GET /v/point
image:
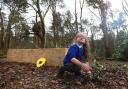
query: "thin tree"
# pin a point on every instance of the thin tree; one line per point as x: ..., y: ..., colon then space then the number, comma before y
x: 2, y: 40
x: 15, y: 8
x: 81, y: 12
x: 76, y: 20
x: 39, y: 27
x: 55, y: 16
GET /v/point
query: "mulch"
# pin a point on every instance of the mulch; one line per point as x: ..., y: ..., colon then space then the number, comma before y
x: 15, y: 75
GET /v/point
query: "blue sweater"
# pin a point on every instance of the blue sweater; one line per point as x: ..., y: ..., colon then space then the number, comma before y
x: 75, y: 51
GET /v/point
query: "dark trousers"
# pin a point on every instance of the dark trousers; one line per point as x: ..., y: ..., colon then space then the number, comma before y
x: 70, y: 68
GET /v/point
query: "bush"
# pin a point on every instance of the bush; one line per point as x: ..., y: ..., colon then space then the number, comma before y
x: 120, y: 51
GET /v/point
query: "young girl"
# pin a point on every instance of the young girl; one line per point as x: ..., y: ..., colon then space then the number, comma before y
x: 73, y: 61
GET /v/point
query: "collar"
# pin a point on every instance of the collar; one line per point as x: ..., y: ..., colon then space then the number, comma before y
x: 80, y: 46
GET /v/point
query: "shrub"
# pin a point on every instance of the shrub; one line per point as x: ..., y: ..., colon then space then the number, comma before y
x: 120, y: 51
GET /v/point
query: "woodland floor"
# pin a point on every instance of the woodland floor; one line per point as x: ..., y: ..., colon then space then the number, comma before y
x: 26, y: 76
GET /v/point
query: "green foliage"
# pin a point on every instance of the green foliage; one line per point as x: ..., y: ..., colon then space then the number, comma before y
x: 99, y: 48
x: 15, y: 17
x: 94, y: 3
x: 97, y: 69
x: 25, y: 31
x: 117, y: 53
x: 125, y: 66
x: 120, y: 51
x: 20, y: 4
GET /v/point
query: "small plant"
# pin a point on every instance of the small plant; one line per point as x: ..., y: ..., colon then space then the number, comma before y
x: 125, y: 66
x: 96, y: 74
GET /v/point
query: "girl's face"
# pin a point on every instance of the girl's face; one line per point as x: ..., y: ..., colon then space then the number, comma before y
x: 81, y: 39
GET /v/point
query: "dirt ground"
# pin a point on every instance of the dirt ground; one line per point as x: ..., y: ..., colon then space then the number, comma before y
x: 26, y: 76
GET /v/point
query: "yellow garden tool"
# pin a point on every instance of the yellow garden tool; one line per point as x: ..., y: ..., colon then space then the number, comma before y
x: 40, y: 62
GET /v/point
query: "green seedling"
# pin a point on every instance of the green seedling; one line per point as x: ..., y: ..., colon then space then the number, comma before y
x: 97, y: 69
x: 125, y: 66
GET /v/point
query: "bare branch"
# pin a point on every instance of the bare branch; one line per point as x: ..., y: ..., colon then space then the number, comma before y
x: 126, y: 2
x: 94, y: 14
x: 125, y: 10
x: 32, y: 6
x: 46, y: 11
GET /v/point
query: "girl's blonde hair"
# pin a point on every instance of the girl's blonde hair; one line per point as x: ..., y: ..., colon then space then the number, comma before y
x: 86, y: 45
x: 80, y: 34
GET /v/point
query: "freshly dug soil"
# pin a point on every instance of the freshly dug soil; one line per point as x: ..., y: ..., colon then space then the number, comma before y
x: 15, y: 75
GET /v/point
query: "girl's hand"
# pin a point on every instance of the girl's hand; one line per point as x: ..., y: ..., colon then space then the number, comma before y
x: 86, y: 67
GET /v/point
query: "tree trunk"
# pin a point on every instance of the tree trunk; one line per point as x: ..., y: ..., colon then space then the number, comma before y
x: 76, y: 22
x: 54, y: 23
x: 104, y: 29
x: 42, y: 25
x: 2, y: 42
x: 81, y: 11
x: 37, y: 29
x: 55, y: 30
x: 8, y: 35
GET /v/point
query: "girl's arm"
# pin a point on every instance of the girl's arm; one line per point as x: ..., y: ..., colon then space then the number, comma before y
x: 76, y: 61
x: 84, y: 67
